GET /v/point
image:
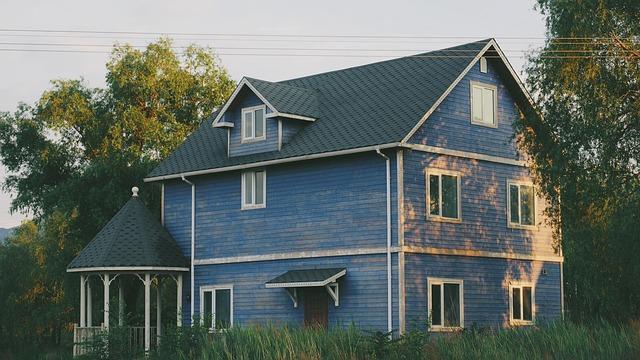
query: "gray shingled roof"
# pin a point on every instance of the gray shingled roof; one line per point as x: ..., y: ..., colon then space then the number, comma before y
x: 362, y: 106
x: 288, y: 99
x: 132, y: 238
x: 307, y: 276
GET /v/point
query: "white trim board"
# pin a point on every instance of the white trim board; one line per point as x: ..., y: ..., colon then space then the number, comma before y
x: 271, y: 162
x: 428, y: 250
x: 127, y: 268
x: 465, y: 154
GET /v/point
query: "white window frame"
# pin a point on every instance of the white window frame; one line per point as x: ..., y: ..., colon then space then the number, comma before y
x: 495, y: 103
x: 520, y: 285
x: 213, y: 289
x: 253, y: 127
x: 519, y: 225
x: 441, y: 282
x: 252, y: 205
x: 428, y: 173
x: 483, y: 65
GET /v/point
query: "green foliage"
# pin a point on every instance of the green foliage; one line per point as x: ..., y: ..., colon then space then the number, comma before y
x: 586, y: 147
x: 596, y: 340
x: 73, y: 157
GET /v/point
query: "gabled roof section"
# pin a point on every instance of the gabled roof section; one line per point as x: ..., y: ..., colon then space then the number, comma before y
x: 374, y: 105
x: 132, y: 239
x: 283, y: 100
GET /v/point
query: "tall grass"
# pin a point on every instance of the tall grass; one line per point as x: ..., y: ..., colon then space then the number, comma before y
x: 561, y: 340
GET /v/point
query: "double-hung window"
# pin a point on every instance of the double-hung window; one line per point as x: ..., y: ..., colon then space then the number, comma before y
x: 521, y: 205
x: 484, y: 108
x: 253, y: 123
x: 254, y: 189
x: 446, y: 304
x: 443, y: 195
x: 521, y: 304
x: 216, y: 306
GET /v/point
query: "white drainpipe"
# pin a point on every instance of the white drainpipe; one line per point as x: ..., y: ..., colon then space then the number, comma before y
x: 388, y: 164
x: 193, y: 240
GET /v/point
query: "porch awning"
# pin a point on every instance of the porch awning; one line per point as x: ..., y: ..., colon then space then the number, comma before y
x: 306, y: 278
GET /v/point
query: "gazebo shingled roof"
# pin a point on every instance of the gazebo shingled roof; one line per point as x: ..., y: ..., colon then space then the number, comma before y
x: 133, y: 239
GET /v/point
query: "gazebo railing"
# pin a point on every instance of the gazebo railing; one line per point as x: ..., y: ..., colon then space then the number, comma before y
x: 82, y: 336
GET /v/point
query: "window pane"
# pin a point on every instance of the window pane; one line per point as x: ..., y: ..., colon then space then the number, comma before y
x: 223, y: 308
x: 527, y: 301
x: 259, y: 117
x: 451, y: 305
x: 450, y: 196
x: 259, y: 187
x: 435, y: 305
x: 248, y: 188
x: 513, y: 203
x: 434, y: 194
x: 516, y: 304
x: 207, y: 316
x: 527, y: 205
x: 477, y: 103
x: 247, y: 123
x: 487, y: 106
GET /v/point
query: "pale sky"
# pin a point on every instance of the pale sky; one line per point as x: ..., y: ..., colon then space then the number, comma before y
x: 24, y: 75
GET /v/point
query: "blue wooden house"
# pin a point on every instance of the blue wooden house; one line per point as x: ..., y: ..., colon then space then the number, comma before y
x: 389, y: 195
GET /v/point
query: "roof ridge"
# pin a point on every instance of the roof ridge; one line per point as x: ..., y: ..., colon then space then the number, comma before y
x: 487, y: 40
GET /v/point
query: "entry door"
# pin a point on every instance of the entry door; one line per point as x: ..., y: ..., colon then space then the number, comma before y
x: 316, y: 307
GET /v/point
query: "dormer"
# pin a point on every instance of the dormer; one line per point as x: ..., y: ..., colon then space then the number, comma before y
x: 262, y: 116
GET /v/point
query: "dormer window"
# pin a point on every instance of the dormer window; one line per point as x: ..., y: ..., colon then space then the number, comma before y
x: 253, y: 123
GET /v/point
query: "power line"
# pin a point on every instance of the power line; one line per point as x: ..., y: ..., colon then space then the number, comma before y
x: 114, y: 32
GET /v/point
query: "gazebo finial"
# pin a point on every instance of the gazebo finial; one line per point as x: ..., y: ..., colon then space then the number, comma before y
x: 135, y: 190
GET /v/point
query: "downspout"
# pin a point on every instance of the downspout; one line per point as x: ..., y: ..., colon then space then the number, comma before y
x: 388, y: 172
x: 193, y: 239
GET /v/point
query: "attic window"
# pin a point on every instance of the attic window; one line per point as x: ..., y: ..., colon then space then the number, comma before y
x: 253, y: 123
x: 484, y: 108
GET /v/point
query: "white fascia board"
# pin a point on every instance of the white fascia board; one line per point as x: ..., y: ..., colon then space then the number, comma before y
x: 462, y: 75
x: 327, y: 281
x: 235, y: 93
x: 291, y: 116
x: 272, y: 162
x: 224, y: 124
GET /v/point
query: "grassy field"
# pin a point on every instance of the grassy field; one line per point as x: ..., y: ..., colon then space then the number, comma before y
x: 562, y: 340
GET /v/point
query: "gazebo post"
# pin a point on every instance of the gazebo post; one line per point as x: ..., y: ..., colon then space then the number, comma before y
x: 83, y: 303
x: 89, y: 303
x: 106, y: 282
x: 147, y: 312
x: 179, y: 300
x: 120, y: 303
x: 158, y: 310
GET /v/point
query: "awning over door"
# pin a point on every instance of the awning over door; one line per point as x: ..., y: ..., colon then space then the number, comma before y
x: 306, y: 278
x: 294, y: 279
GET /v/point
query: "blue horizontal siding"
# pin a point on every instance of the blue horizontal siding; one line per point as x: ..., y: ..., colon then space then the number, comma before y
x: 483, y: 200
x: 324, y: 204
x: 246, y: 98
x: 449, y: 126
x: 290, y: 128
x: 486, y: 287
x: 363, y: 299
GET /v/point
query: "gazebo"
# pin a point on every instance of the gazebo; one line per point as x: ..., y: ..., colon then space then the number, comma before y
x: 132, y: 243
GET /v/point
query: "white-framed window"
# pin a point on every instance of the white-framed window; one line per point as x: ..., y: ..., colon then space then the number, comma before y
x: 521, y: 205
x: 484, y: 104
x: 216, y: 306
x: 254, y: 123
x: 254, y: 189
x: 443, y: 195
x: 445, y: 304
x: 521, y: 303
x: 483, y: 65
